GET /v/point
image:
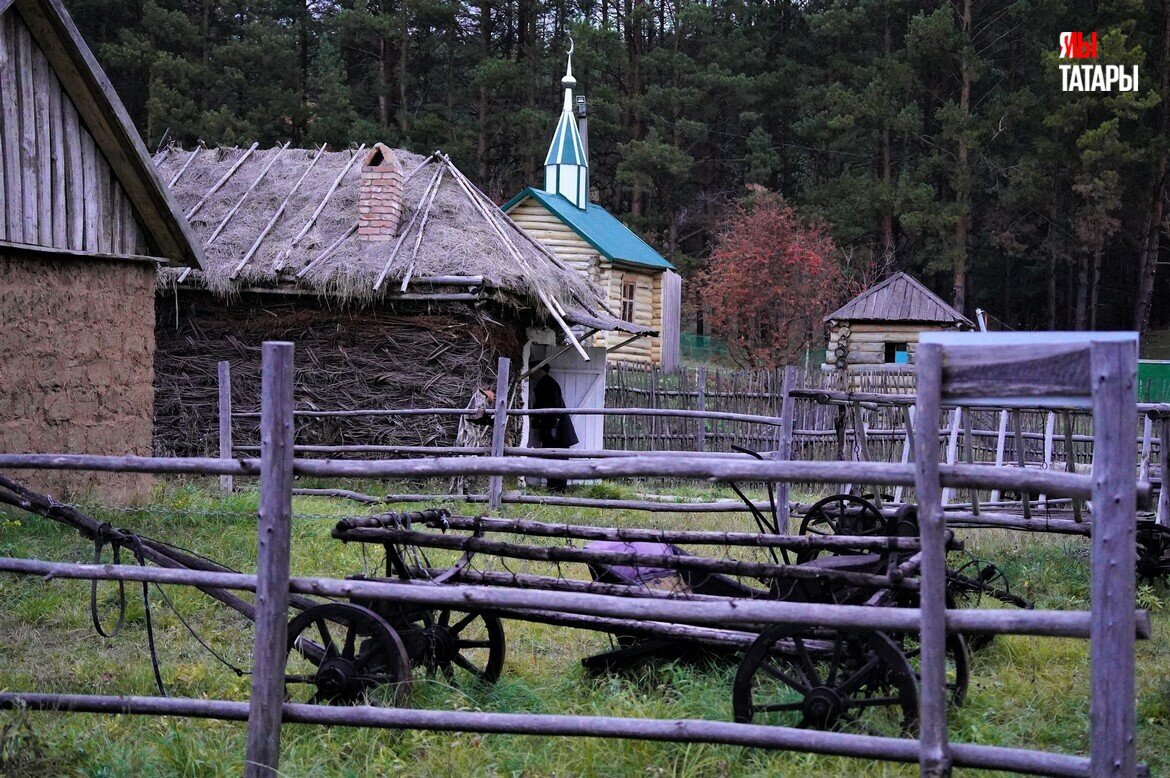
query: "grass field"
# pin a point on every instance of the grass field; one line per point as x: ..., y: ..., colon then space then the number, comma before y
x: 1028, y: 692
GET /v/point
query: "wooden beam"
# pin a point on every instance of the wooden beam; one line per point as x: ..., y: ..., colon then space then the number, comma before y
x: 106, y: 119
x: 270, y: 650
x: 499, y: 429
x: 1112, y: 705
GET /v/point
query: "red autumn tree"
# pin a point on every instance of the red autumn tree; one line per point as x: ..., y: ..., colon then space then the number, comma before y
x: 770, y: 281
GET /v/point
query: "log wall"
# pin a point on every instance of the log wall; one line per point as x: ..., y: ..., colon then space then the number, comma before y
x: 57, y: 189
x: 576, y: 251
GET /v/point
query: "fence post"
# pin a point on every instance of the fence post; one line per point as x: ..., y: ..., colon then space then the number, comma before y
x: 1000, y: 444
x: 1021, y: 457
x: 499, y: 426
x: 934, y: 754
x: 225, y: 421
x: 1070, y: 459
x: 1163, y: 515
x: 269, y: 653
x: 1112, y: 706
x: 784, y: 448
x: 701, y: 389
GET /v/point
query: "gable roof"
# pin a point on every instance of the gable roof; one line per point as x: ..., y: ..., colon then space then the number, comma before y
x: 598, y: 227
x: 285, y: 220
x: 106, y: 120
x: 901, y: 297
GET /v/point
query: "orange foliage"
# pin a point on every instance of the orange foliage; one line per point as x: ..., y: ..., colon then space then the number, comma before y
x: 770, y: 281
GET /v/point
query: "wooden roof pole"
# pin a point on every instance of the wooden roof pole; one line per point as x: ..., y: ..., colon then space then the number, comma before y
x: 186, y: 165
x: 422, y: 227
x: 279, y: 212
x: 279, y: 264
x: 223, y: 180
x: 537, y: 245
x: 413, y: 218
x: 329, y: 251
x: 244, y: 196
x: 511, y: 247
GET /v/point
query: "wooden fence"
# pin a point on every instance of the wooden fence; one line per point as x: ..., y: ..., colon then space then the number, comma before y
x: 1098, y: 375
x: 791, y: 413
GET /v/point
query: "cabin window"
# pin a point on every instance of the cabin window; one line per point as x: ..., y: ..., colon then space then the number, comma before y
x: 897, y: 354
x: 629, y: 294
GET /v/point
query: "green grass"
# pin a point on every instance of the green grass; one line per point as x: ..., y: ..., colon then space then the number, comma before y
x: 1028, y: 692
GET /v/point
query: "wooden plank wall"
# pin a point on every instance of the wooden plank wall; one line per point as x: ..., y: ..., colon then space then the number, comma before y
x: 57, y: 189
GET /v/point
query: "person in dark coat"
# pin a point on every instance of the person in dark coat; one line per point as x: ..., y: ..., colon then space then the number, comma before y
x: 554, y: 430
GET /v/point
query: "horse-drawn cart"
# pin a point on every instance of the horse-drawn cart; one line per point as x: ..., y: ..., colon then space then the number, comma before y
x: 811, y: 677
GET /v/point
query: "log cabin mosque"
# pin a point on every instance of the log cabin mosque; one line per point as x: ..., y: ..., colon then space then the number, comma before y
x: 639, y: 284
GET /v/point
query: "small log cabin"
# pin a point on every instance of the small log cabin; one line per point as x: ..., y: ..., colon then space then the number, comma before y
x: 878, y: 329
x: 84, y: 224
x: 639, y: 284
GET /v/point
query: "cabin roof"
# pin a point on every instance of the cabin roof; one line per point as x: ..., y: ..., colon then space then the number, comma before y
x: 106, y: 119
x: 285, y: 219
x: 901, y: 297
x: 599, y: 228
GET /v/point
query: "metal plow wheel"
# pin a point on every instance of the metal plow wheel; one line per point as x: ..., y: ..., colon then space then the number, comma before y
x: 344, y: 654
x: 840, y: 514
x: 799, y: 677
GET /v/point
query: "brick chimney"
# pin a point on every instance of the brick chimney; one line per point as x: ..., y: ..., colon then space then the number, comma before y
x: 380, y: 200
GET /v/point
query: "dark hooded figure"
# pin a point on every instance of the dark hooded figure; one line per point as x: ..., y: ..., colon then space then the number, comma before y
x: 554, y: 430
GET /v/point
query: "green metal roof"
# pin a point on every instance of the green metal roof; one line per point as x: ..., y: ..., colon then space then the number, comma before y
x: 612, y: 239
x: 566, y: 147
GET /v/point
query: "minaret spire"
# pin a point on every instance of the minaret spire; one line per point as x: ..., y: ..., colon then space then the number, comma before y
x: 566, y: 168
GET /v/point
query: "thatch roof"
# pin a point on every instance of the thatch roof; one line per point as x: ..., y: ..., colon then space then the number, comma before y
x: 259, y: 232
x: 901, y: 297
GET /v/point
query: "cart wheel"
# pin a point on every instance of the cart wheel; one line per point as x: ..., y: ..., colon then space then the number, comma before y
x: 797, y: 677
x: 841, y: 514
x: 979, y: 584
x: 472, y: 642
x: 343, y: 652
x: 958, y: 664
x: 1153, y: 561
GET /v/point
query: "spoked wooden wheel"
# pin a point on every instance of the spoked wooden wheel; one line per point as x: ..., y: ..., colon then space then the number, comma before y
x: 840, y: 514
x: 345, y: 654
x: 958, y: 664
x: 460, y: 644
x: 797, y: 677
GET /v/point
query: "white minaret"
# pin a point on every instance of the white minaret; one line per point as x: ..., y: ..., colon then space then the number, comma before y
x: 566, y: 168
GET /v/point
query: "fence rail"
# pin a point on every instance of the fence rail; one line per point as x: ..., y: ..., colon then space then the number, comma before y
x: 1112, y: 672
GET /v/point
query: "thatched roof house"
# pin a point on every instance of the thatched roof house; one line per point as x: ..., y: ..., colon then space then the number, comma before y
x: 878, y: 329
x: 390, y: 270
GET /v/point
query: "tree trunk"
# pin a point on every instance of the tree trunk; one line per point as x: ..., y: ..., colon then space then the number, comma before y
x: 403, y: 51
x: 887, y: 221
x: 1082, y: 306
x: 1095, y: 282
x: 1051, y: 285
x: 635, y: 125
x: 481, y: 140
x: 963, y: 174
x: 1152, y: 234
x: 385, y: 56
